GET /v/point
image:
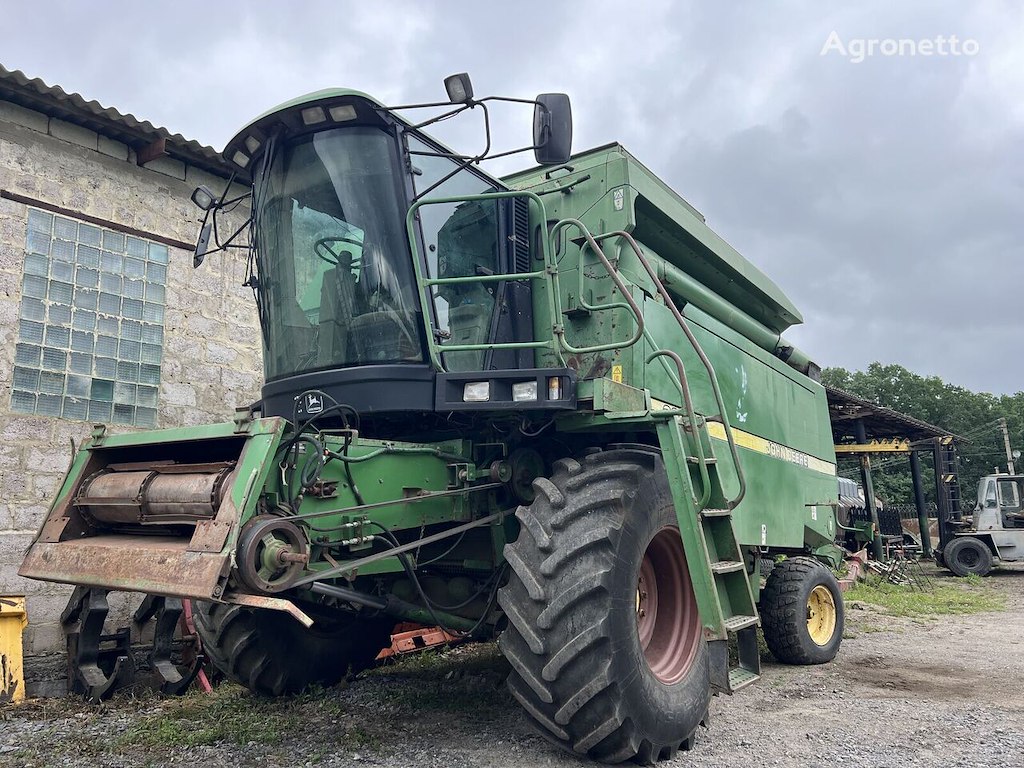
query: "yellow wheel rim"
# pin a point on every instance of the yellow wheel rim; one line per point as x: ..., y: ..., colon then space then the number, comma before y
x: 821, y: 615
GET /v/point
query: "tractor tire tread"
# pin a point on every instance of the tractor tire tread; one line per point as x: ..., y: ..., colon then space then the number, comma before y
x: 556, y: 603
x: 784, y: 610
x: 272, y: 655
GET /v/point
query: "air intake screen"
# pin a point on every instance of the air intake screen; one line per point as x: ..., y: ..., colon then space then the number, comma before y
x: 521, y: 232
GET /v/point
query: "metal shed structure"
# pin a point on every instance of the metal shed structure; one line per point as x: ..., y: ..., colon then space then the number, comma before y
x: 862, y: 428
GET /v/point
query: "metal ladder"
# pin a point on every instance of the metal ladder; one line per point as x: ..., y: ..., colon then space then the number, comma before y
x: 725, y: 598
x: 716, y: 563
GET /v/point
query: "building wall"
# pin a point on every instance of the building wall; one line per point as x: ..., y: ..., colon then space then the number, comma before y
x: 206, y: 359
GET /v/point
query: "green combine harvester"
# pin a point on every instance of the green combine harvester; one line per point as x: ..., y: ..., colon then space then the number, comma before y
x: 555, y: 408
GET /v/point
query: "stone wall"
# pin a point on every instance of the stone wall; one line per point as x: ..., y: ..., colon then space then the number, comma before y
x: 210, y: 359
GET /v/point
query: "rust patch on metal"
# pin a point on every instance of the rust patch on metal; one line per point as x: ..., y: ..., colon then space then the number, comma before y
x: 155, y: 564
x: 53, y: 529
x: 155, y: 494
x: 135, y: 466
x: 210, y: 535
x: 600, y: 367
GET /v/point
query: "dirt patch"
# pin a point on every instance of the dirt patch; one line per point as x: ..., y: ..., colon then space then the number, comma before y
x: 928, y: 681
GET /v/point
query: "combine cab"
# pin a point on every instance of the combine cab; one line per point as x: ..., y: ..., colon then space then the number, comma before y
x: 555, y: 406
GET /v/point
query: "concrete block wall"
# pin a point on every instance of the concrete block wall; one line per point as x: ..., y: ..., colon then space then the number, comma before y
x: 211, y: 354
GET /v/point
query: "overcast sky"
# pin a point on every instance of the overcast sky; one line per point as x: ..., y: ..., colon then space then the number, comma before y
x: 882, y: 193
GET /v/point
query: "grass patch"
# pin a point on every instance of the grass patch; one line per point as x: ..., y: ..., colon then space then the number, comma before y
x: 158, y: 727
x: 232, y: 715
x: 966, y: 596
x: 229, y: 715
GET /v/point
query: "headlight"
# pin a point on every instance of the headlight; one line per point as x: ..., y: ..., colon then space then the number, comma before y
x: 313, y: 116
x: 524, y: 390
x: 476, y: 392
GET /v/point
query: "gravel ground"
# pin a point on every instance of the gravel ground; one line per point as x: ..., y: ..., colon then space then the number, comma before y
x: 939, y: 691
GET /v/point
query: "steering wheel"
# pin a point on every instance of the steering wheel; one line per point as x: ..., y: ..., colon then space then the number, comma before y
x: 323, y: 249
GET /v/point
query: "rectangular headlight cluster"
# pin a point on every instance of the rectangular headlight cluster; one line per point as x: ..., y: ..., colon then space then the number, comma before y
x: 340, y: 113
x: 522, y: 391
x: 524, y: 388
x: 311, y: 116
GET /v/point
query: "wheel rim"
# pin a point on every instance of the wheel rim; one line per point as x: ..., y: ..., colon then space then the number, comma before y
x: 821, y: 615
x: 667, y: 619
x: 968, y: 557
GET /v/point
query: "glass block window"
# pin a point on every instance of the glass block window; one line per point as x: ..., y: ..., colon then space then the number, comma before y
x: 91, y: 325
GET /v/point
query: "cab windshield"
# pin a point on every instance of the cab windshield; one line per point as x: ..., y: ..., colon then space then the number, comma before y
x: 335, y: 280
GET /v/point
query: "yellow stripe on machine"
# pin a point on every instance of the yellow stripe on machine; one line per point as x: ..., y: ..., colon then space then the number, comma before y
x: 768, y: 448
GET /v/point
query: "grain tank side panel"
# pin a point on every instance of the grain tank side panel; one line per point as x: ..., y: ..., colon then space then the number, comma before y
x: 779, y: 419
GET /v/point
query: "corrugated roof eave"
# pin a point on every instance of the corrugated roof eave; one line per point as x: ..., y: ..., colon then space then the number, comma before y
x: 54, y: 101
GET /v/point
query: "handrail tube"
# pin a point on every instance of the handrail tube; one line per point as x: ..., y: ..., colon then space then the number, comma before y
x: 702, y: 462
x: 719, y: 400
x: 483, y: 278
x: 497, y: 345
x: 550, y: 272
x: 630, y: 304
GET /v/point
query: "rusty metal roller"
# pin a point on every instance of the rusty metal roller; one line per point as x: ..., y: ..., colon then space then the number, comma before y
x: 159, y: 494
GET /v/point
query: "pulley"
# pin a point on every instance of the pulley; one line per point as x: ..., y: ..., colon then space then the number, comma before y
x: 272, y: 553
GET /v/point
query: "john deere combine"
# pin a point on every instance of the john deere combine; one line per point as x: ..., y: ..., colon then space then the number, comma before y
x: 555, y: 408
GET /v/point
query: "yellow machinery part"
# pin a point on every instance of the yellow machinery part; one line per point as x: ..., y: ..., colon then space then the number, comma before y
x: 821, y: 615
x: 13, y: 620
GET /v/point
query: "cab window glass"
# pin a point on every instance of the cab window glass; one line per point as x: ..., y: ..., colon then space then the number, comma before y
x: 1008, y: 494
x: 461, y: 240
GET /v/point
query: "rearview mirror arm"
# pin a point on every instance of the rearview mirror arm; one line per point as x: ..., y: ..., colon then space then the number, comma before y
x: 466, y: 161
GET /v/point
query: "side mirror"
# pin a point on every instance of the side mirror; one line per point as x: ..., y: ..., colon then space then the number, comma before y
x: 203, y: 198
x: 202, y: 245
x: 552, y: 129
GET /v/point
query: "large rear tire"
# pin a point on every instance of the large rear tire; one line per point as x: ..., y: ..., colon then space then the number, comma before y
x: 802, y: 612
x: 965, y: 555
x: 272, y: 654
x: 604, y: 636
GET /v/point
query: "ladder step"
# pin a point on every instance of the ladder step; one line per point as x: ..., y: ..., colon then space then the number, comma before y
x: 736, y: 623
x: 727, y: 566
x: 740, y: 678
x: 715, y: 512
x: 696, y: 460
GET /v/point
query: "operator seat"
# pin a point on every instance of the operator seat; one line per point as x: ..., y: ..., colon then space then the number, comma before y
x: 338, y: 307
x: 381, y: 332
